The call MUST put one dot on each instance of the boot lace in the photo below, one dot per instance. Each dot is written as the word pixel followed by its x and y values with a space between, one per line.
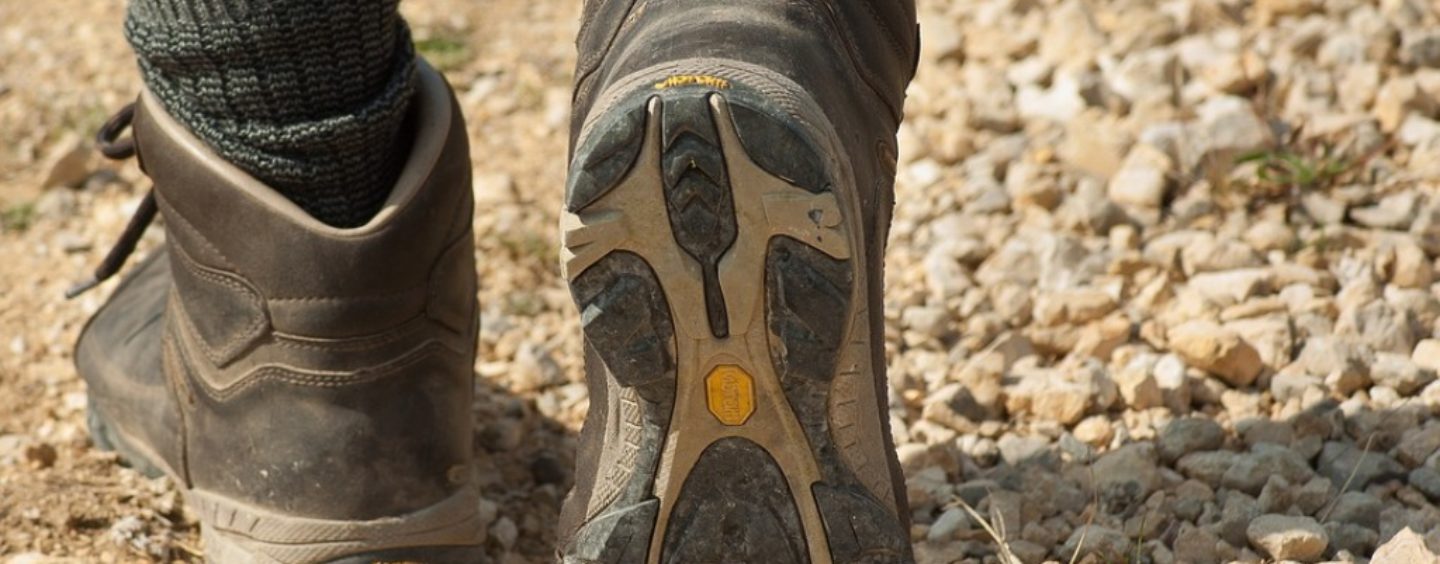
pixel 111 145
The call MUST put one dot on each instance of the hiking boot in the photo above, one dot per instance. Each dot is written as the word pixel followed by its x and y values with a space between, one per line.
pixel 308 387
pixel 729 194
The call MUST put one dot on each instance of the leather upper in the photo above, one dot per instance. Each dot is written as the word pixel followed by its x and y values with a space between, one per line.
pixel 312 370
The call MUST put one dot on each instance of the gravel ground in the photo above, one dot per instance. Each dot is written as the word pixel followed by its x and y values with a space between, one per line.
pixel 1162 283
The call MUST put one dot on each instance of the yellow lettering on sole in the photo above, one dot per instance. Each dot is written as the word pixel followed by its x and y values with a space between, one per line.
pixel 693 79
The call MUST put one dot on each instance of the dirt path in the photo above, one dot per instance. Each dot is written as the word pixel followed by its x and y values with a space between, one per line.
pixel 1162 278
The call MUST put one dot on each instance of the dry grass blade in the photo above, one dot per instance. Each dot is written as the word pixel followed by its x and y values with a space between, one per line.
pixel 1351 478
pixel 1094 508
pixel 1006 557
pixel 188 550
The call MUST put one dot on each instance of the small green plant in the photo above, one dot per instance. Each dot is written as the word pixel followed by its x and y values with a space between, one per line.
pixel 1297 165
pixel 446 51
pixel 1285 170
pixel 17 217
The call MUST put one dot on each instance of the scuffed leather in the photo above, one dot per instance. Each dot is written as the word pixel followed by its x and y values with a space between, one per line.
pixel 119 354
pixel 299 368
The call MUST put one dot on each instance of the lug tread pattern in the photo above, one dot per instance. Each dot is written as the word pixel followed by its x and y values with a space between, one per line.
pixel 736 507
pixel 736 503
pixel 697 195
pixel 626 319
pixel 608 155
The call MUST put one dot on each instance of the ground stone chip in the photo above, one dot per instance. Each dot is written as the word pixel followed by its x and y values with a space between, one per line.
pixel 1251 470
pixel 1062 395
pixel 1187 435
pixel 1267 236
pixel 1371 321
pixel 1138 386
pixel 1209 254
pixel 1351 537
pixel 1102 543
pixel 1256 431
pixel 66 162
pixel 1196 543
pixel 1359 508
pixel 505 532
pixel 1191 498
pixel 1400 373
pixel 1072 37
pixel 1073 306
pixel 1427 354
pixel 947 524
pixel 1232 286
pixel 1238 512
pixel 1028 551
pixel 1285 537
pixel 1323 208
pixel 1412 269
pixel 1271 336
pixel 1338 460
pixel 1395 212
pixel 1287 386
pixel 1208 346
pixel 1416 445
pixel 1143 178
pixel 1324 355
pixel 1313 495
pixel 1276 496
pixel 958 407
pixel 1131 468
pixel 1406 546
pixel 1208 466
pixel 1229 125
pixel 1427 480
pixel 1397 98
pixel 1016 450
pixel 1095 430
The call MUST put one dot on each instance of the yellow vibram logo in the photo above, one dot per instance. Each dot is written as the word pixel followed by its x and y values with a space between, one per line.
pixel 693 79
pixel 730 394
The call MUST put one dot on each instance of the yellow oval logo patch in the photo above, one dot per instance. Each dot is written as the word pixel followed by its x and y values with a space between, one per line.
pixel 730 394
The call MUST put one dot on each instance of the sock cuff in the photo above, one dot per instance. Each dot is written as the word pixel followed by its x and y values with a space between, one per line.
pixel 287 60
pixel 309 97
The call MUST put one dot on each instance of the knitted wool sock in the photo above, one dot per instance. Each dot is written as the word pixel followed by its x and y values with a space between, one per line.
pixel 308 96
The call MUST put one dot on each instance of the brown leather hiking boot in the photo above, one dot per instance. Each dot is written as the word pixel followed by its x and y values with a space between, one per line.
pixel 729 196
pixel 308 387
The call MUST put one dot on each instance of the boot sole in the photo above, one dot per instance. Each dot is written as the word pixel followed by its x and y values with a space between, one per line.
pixel 713 246
pixel 233 532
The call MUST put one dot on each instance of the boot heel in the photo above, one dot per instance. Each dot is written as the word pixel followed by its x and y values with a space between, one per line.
pixel 711 243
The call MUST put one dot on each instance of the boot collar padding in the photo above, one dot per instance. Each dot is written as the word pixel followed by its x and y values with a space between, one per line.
pixel 432 116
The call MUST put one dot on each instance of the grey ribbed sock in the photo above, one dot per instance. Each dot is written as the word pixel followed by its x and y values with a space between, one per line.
pixel 308 96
